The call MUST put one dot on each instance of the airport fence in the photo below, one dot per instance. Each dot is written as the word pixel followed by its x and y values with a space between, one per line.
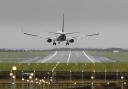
pixel 85 85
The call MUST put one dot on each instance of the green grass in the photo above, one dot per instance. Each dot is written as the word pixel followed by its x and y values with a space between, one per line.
pixel 89 67
pixel 20 56
pixel 119 57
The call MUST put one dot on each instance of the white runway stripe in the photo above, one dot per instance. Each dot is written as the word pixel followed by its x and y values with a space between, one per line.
pixel 49 58
pixel 69 57
pixel 88 57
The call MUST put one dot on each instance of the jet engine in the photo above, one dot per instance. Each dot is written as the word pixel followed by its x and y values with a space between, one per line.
pixel 71 40
pixel 49 40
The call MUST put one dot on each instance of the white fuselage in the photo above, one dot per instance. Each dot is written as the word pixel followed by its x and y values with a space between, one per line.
pixel 61 37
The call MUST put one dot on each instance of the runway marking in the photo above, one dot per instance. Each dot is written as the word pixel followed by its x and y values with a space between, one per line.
pixel 49 58
pixel 69 57
pixel 88 57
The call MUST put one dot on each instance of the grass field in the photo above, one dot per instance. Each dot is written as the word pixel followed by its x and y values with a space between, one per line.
pixel 89 67
pixel 20 56
pixel 119 57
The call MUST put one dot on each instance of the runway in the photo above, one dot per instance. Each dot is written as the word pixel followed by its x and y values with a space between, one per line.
pixel 69 57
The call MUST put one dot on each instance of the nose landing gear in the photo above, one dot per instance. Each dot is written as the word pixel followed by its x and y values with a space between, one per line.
pixel 54 43
pixel 67 43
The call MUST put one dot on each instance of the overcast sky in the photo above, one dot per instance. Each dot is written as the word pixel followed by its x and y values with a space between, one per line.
pixel 109 17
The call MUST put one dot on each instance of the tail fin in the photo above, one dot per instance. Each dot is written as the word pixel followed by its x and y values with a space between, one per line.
pixel 63 24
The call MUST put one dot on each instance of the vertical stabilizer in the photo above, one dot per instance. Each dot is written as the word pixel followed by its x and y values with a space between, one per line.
pixel 63 24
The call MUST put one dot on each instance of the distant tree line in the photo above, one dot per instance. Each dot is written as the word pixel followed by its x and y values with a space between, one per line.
pixel 63 49
pixel 20 50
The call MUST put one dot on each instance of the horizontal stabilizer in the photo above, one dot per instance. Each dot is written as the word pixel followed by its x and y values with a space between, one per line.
pixel 72 33
pixel 54 32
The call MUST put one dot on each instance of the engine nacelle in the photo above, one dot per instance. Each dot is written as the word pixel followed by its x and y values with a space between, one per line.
pixel 71 40
pixel 49 40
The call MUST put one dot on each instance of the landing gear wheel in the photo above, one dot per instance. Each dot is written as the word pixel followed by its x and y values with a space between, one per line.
pixel 54 43
pixel 67 43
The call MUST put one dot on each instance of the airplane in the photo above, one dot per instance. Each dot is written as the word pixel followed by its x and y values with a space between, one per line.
pixel 61 36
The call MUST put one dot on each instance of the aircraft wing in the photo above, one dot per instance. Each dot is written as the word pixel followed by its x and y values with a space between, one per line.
pixel 75 37
pixel 32 35
pixel 93 34
pixel 83 36
pixel 29 33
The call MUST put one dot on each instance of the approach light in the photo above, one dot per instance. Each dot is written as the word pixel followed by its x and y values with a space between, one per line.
pixel 13 77
pixel 11 74
pixel 31 74
pixel 75 83
pixel 30 77
pixel 14 68
pixel 122 77
pixel 92 77
pixel 36 79
pixel 22 79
